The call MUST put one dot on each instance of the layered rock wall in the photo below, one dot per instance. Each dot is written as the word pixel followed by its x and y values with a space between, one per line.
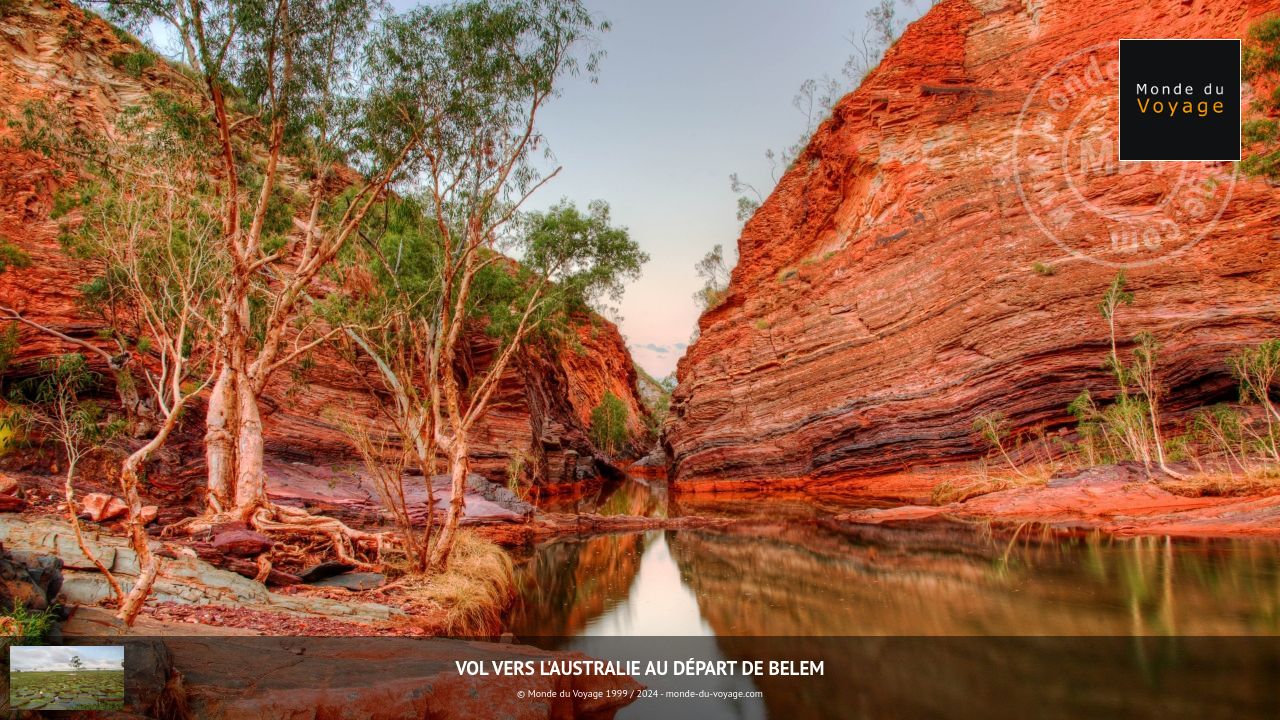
pixel 939 249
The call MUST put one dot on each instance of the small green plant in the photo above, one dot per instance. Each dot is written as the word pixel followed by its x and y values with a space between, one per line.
pixel 1257 369
pixel 714 272
pixel 609 423
pixel 762 324
pixel 134 63
pixel 1044 269
pixel 1261 56
pixel 995 428
pixel 21 625
pixel 1128 428
pixel 517 469
pixel 12 256
pixel 1221 428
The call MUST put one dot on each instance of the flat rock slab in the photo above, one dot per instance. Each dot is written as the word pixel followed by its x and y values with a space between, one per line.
pixel 183 579
pixel 354 581
pixel 312 484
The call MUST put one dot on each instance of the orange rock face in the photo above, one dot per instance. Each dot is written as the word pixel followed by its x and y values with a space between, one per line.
pixel 939 250
pixel 52 52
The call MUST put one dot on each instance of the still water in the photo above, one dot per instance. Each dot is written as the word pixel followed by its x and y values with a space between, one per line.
pixel 788 581
pixel 789 575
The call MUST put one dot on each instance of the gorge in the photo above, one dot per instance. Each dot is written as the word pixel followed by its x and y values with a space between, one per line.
pixel 980 406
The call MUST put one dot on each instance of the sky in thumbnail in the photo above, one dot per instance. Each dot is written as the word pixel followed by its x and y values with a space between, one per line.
pixel 36 658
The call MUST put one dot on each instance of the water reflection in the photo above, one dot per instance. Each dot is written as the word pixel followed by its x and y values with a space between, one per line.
pixel 628 496
pixel 788 582
pixel 791 575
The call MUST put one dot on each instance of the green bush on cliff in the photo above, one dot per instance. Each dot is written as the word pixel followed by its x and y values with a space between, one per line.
pixel 12 256
pixel 134 63
pixel 1261 56
pixel 609 423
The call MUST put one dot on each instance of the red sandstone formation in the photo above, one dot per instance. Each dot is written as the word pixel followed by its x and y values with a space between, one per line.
pixel 52 52
pixel 896 284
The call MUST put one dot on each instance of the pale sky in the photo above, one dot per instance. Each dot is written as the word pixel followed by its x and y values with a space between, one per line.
pixel 688 93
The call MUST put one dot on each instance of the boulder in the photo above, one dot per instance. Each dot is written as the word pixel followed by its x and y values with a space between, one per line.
pixel 149 514
pixel 242 543
pixel 316 573
pixel 11 503
pixel 29 579
pixel 499 495
pixel 101 507
pixel 8 485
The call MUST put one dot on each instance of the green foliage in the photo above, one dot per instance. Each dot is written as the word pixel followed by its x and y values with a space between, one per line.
pixel 1257 369
pixel 1115 296
pixel 714 272
pixel 63 374
pixel 993 427
pixel 12 256
pixel 1221 428
pixel 1261 56
pixel 134 63
pixel 8 346
pixel 56 399
pixel 26 626
pixel 609 424
pixel 1044 269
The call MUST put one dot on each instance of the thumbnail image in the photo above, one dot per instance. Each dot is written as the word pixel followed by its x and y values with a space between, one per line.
pixel 71 677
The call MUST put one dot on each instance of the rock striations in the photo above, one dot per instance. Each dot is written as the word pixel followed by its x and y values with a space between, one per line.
pixel 939 249
pixel 56 53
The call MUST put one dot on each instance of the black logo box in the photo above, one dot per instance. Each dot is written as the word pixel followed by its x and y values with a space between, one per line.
pixel 1188 65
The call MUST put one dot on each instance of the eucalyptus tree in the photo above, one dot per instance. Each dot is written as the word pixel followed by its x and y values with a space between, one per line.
pixel 144 227
pixel 442 100
pixel 55 402
pixel 569 260
pixel 283 84
pixel 476 76
pixel 151 237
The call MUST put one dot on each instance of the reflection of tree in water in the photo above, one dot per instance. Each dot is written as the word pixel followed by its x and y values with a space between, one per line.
pixel 627 496
pixel 568 583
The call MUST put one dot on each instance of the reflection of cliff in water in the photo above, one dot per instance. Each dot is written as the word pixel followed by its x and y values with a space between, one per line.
pixel 798 585
pixel 568 583
pixel 955 580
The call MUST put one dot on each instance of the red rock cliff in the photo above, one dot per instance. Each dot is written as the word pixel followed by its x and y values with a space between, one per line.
pixel 53 52
pixel 924 261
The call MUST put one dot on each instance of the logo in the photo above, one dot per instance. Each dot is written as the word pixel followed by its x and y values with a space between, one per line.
pixel 1180 100
pixel 1079 193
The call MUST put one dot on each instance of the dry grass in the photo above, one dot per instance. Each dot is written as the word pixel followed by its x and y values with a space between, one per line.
pixel 984 481
pixel 1258 480
pixel 471 596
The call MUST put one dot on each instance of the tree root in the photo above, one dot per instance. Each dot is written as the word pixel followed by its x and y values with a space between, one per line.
pixel 283 520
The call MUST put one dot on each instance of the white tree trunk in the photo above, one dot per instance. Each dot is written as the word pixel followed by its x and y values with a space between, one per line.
pixel 251 489
pixel 459 468
pixel 220 442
